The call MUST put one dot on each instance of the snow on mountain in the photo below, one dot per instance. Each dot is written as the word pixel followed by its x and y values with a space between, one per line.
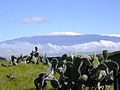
pixel 64 33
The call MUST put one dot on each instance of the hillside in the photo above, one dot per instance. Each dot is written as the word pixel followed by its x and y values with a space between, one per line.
pixel 63 39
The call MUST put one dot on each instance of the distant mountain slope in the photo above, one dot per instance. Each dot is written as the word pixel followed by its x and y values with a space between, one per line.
pixel 56 45
pixel 64 39
pixel 2 58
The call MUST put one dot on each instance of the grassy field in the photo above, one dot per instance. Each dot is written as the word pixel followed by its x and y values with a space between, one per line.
pixel 24 76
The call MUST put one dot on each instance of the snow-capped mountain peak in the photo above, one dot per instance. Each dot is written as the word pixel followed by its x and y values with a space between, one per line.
pixel 64 33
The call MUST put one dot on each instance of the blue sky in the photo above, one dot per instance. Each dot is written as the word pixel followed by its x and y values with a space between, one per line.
pixel 20 18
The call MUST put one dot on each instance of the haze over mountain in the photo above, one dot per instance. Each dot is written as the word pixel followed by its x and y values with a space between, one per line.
pixel 58 43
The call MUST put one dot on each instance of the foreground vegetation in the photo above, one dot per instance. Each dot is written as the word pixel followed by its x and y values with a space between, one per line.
pixel 60 73
pixel 24 75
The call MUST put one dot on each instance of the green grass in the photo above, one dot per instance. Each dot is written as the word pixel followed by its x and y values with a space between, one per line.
pixel 24 76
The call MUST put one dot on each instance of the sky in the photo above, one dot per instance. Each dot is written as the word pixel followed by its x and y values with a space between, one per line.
pixel 19 18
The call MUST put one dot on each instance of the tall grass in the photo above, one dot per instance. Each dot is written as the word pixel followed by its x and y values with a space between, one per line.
pixel 24 76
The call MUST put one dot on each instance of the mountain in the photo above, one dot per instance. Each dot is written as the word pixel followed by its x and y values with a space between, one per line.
pixel 56 45
pixel 63 39
pixel 2 58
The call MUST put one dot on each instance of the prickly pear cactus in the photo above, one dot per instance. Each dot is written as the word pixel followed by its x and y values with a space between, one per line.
pixel 105 54
pixel 64 56
pixel 69 69
pixel 112 64
pixel 36 48
pixel 95 62
pixel 86 61
pixel 69 59
pixel 102 66
pixel 32 53
pixel 54 63
pixel 77 62
pixel 36 54
pixel 62 60
pixel 13 60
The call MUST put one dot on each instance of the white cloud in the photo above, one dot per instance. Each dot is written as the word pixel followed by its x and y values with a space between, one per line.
pixel 112 35
pixel 25 48
pixel 37 20
pixel 64 33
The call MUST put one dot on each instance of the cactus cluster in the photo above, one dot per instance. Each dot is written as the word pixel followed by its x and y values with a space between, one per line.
pixel 75 72
pixel 78 72
pixel 35 58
